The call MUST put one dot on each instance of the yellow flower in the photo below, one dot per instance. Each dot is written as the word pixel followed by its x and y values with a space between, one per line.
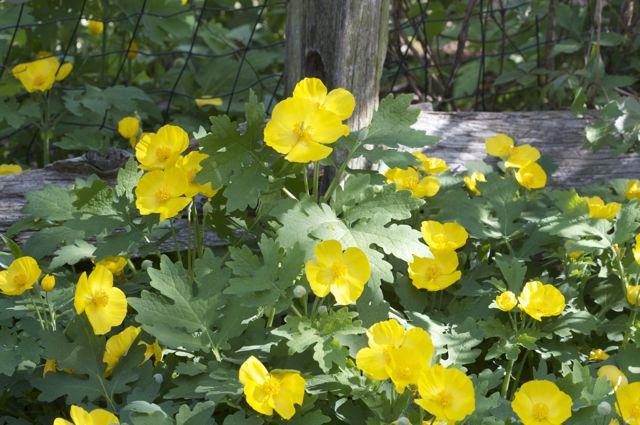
pixel 190 165
pixel 39 75
pixel 117 346
pixel 431 165
pixel 9 169
pixel 48 282
pixel 343 273
pixel 265 392
pixel 499 145
pixel 597 355
pixel 598 209
pixel 531 176
pixel 133 50
pixel 446 393
pixel 539 300
pixel 95 27
pixel 129 127
pixel 636 249
pixel 338 101
pixel 152 350
pixel 443 237
pixel 104 305
pixel 506 301
pixel 472 182
pixel 614 375
pixel 633 294
pixel 79 416
pixel 628 403
pixel 208 101
pixel 162 192
pixel 633 190
pixel 409 179
pixel 300 129
pixel 437 273
pixel 115 264
pixel 156 151
pixel 521 156
pixel 21 275
pixel 541 402
pixel 395 353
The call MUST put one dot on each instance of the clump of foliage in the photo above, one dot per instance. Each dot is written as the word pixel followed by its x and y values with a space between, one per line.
pixel 413 296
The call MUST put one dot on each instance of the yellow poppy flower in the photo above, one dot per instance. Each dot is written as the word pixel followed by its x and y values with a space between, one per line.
pixel 95 27
pixel 48 282
pixel 133 50
pixel 598 208
pixel 597 355
pixel 190 165
pixel 636 249
pixel 628 403
pixel 395 353
pixel 437 273
pixel 152 350
pixel 343 273
pixel 531 176
pixel 472 182
pixel 208 101
pixel 338 101
pixel 157 151
pixel 21 275
pixel 499 145
pixel 10 169
pixel 410 180
pixel 265 392
pixel 506 301
pixel 117 346
pixel 79 416
pixel 104 305
pixel 614 375
pixel 443 237
pixel 541 402
pixel 521 156
pixel 40 74
pixel 633 294
pixel 129 127
pixel 539 300
pixel 446 393
pixel 431 165
pixel 300 130
pixel 162 192
pixel 115 264
pixel 633 190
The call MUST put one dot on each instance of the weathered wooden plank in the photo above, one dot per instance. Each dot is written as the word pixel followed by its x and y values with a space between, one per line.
pixel 557 134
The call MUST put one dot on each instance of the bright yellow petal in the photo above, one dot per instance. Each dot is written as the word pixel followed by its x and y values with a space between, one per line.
pixel 103 417
pixel 325 127
pixel 252 370
pixel 304 152
pixel 372 362
pixel 81 294
pixel 499 145
pixel 103 318
pixel 532 176
pixel 340 102
pixel 311 89
pixel 428 187
pixel 418 339
pixel 80 416
pixel 386 333
pixel 521 156
pixel 327 252
pixel 347 290
pixel 319 278
pixel 357 264
pixel 117 346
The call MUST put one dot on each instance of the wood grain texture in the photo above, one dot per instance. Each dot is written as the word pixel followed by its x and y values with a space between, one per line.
pixel 558 135
pixel 324 39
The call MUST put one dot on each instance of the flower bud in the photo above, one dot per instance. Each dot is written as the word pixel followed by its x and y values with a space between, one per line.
pixel 146 264
pixel 48 282
pixel 403 420
pixel 158 378
pixel 604 408
pixel 506 301
pixel 299 291
pixel 322 309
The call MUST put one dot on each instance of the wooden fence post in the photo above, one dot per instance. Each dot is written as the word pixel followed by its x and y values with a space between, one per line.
pixel 342 42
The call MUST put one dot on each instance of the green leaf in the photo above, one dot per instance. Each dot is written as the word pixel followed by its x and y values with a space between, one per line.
pixel 72 254
pixel 513 270
pixel 51 203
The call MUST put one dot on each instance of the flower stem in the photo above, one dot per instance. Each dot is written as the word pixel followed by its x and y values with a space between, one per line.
pixel 316 181
pixel 629 329
pixel 507 377
pixel 175 240
pixel 336 180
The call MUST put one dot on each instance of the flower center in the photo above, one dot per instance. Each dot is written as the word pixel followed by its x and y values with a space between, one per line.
pixel 272 387
pixel 527 178
pixel 163 195
pixel 444 398
pixel 20 280
pixel 440 239
pixel 431 272
pixel 635 411
pixel 540 411
pixel 303 132
pixel 99 299
pixel 339 270
pixel 163 153
pixel 39 80
pixel 412 182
